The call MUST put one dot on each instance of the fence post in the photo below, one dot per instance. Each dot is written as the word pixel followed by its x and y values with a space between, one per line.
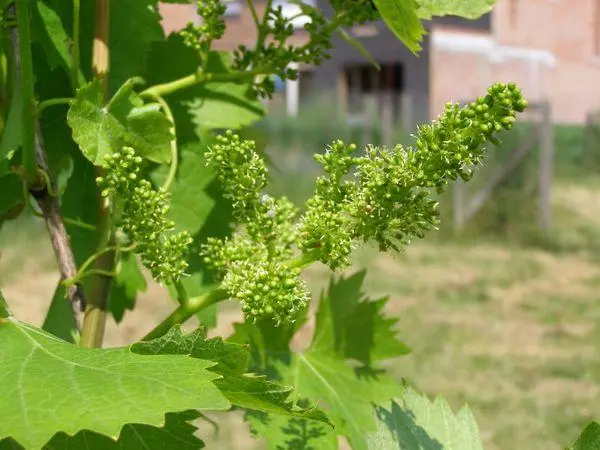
pixel 546 161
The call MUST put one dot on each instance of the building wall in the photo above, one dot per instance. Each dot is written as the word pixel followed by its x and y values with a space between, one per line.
pixel 550 47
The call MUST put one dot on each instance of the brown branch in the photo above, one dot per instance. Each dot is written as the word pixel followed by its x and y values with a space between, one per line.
pixel 58 233
pixel 51 210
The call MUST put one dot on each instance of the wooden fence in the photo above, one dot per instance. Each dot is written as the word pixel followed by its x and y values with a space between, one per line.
pixel 541 134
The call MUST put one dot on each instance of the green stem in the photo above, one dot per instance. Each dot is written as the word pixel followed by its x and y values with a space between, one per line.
pixel 182 296
pixel 88 262
pixel 174 152
pixel 263 28
pixel 75 49
pixel 79 223
pixel 49 188
pixel 305 259
pixel 79 277
pixel 53 101
pixel 28 100
pixel 254 14
pixel 201 77
pixel 184 312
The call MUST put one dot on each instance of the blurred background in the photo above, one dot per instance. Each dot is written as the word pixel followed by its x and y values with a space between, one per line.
pixel 500 305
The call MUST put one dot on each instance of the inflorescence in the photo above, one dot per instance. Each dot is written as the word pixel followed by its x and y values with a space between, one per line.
pixel 273 54
pixel 143 216
pixel 384 196
pixel 255 262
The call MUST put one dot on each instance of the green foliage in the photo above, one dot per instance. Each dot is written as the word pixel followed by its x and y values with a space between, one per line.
pixel 589 439
pixel 48 385
pixel 137 167
pixel 324 371
pixel 403 20
pixel 417 423
pixel 128 282
pixel 388 201
pixel 125 121
pixel 471 9
pixel 143 213
pixel 176 433
pixel 242 390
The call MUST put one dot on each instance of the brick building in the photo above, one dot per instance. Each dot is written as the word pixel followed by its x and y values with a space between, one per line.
pixel 550 47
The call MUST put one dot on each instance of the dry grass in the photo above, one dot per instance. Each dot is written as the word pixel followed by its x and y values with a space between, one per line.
pixel 513 332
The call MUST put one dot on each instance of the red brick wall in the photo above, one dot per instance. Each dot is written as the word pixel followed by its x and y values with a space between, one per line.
pixel 547 46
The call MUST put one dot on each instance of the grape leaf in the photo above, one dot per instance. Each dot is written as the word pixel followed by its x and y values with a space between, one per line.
pixel 417 423
pixel 128 282
pixel 79 203
pixel 11 134
pixel 470 9
pixel 59 320
pixel 292 433
pixel 402 19
pixel 358 46
pixel 241 389
pixel 126 120
pixel 48 29
pixel 11 193
pixel 51 386
pixel 134 25
pixel 176 434
pixel 589 439
pixel 354 327
pixel 224 104
pixel 323 372
pixel 190 204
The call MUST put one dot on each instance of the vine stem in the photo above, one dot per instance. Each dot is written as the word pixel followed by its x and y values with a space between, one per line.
pixel 254 13
pixel 185 311
pixel 42 193
pixel 201 77
pixel 75 48
pixel 194 305
pixel 52 102
pixel 182 296
pixel 174 152
pixel 94 321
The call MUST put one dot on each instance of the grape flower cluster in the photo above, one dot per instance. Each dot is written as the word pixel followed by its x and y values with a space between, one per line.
pixel 143 215
pixel 388 200
pixel 275 54
pixel 213 26
pixel 382 196
pixel 255 262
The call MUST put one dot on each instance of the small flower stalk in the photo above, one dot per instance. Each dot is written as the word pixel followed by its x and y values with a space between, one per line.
pixel 143 216
pixel 382 196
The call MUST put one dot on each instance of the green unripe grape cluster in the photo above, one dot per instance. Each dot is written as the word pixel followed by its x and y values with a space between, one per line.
pixel 382 196
pixel 143 215
pixel 254 262
pixel 212 28
pixel 277 54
